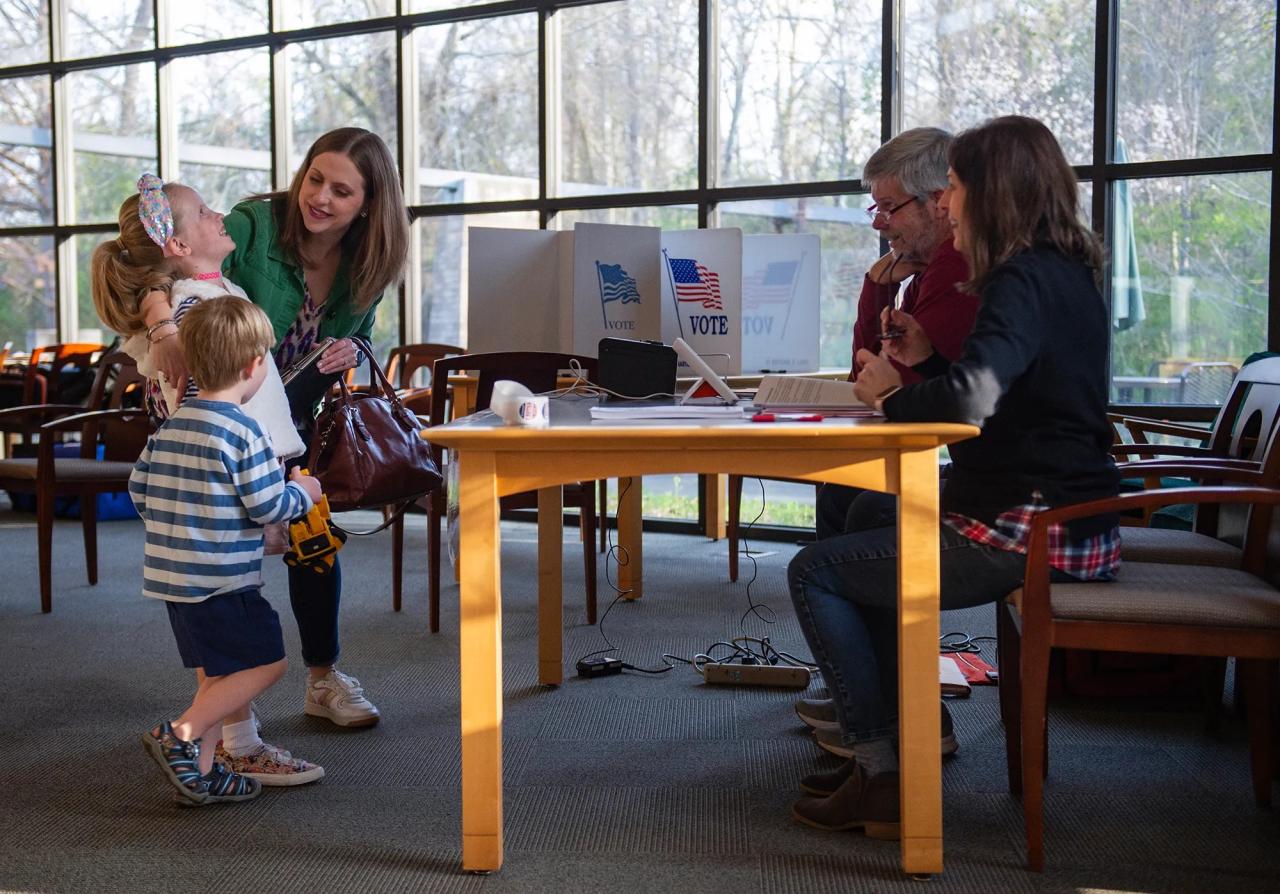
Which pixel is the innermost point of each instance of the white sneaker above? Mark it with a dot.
(340, 698)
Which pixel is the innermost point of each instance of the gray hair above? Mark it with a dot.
(916, 157)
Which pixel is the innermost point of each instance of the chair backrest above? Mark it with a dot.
(1250, 413)
(51, 369)
(118, 384)
(536, 370)
(405, 360)
(1206, 382)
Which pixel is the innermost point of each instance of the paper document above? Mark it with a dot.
(952, 680)
(807, 393)
(638, 412)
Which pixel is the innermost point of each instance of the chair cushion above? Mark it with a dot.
(68, 469)
(1166, 546)
(24, 469)
(1156, 593)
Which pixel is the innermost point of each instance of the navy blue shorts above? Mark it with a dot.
(227, 633)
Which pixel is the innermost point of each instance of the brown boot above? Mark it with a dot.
(870, 804)
(823, 784)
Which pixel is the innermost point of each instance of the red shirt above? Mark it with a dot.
(932, 297)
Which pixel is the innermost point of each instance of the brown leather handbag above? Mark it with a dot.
(367, 448)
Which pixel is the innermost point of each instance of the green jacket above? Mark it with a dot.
(274, 282)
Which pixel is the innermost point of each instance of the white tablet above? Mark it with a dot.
(705, 373)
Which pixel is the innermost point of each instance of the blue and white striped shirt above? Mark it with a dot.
(205, 485)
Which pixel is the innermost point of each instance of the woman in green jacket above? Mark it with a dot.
(318, 259)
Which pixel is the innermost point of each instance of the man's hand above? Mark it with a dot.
(339, 356)
(876, 377)
(893, 268)
(904, 339)
(307, 483)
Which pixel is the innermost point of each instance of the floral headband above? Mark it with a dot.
(153, 209)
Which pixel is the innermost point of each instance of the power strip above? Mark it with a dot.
(755, 675)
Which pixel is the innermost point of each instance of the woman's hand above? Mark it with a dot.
(903, 338)
(876, 376)
(171, 362)
(340, 356)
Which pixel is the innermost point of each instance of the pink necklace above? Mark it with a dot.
(217, 274)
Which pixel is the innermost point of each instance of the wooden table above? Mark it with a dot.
(495, 460)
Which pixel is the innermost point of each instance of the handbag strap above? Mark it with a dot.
(401, 509)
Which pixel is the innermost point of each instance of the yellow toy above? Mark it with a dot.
(314, 539)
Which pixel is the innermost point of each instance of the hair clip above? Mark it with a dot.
(154, 210)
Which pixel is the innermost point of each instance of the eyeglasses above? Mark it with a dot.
(881, 215)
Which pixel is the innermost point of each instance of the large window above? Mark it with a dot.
(757, 114)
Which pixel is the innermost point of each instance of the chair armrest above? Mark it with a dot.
(1159, 450)
(79, 420)
(1035, 587)
(1241, 470)
(1160, 427)
(27, 417)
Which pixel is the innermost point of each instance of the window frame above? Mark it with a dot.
(706, 196)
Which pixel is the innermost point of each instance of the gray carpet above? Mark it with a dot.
(629, 784)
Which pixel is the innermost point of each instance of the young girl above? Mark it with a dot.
(170, 248)
(167, 233)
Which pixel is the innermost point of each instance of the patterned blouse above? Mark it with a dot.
(301, 337)
(1093, 558)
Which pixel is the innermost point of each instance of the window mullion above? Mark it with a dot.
(410, 165)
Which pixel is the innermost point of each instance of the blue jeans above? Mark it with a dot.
(845, 591)
(841, 509)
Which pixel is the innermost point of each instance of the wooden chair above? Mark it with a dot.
(538, 372)
(41, 382)
(1242, 437)
(1151, 607)
(120, 433)
(50, 367)
(405, 360)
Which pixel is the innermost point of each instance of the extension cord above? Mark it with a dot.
(755, 675)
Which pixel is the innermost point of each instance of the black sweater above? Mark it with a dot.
(1032, 375)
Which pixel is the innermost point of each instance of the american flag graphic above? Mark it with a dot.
(772, 284)
(694, 282)
(616, 285)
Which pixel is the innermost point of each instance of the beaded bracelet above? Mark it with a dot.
(151, 330)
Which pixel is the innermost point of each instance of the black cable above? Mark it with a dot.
(745, 549)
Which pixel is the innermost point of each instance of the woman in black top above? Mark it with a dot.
(1032, 375)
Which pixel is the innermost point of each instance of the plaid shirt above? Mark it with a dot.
(1094, 558)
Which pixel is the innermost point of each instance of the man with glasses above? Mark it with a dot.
(906, 176)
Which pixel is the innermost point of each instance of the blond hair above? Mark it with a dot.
(123, 270)
(378, 241)
(221, 336)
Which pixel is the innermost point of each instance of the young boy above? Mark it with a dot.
(205, 486)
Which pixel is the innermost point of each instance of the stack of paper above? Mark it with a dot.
(827, 396)
(638, 412)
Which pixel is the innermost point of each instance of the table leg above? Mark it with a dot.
(630, 541)
(918, 716)
(480, 644)
(715, 489)
(551, 586)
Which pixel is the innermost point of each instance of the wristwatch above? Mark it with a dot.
(884, 395)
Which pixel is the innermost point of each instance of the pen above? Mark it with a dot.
(771, 417)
